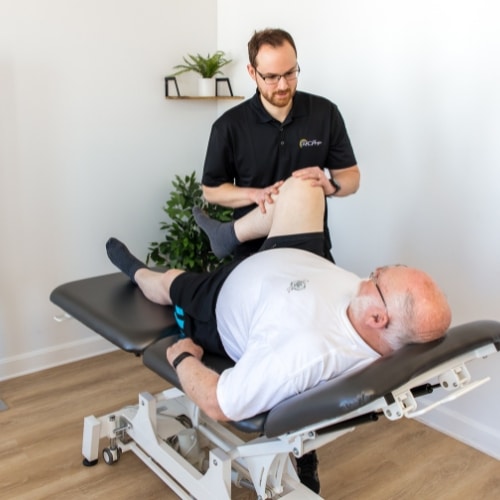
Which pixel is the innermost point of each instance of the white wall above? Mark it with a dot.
(417, 84)
(88, 149)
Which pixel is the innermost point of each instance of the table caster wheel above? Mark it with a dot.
(111, 455)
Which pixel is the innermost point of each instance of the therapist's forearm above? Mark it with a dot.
(229, 195)
(348, 179)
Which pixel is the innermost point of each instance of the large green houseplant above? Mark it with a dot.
(185, 245)
(207, 67)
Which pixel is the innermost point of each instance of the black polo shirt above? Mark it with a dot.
(249, 148)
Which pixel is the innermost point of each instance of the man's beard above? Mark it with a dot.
(279, 98)
(358, 306)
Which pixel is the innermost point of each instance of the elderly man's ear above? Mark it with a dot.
(377, 318)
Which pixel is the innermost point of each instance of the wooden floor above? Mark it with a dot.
(40, 443)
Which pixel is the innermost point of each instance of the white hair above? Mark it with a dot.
(360, 303)
(401, 329)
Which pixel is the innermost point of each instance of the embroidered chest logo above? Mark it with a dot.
(297, 286)
(308, 143)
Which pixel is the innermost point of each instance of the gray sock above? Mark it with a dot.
(221, 235)
(120, 256)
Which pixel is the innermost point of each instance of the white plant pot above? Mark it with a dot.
(206, 87)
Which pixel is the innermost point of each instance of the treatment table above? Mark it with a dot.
(198, 457)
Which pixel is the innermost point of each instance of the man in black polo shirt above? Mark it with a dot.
(277, 133)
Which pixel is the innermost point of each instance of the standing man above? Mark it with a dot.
(277, 133)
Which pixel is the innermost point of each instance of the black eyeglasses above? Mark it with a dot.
(374, 279)
(289, 76)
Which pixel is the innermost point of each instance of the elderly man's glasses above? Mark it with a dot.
(374, 276)
(374, 279)
(289, 76)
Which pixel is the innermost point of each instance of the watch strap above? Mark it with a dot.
(180, 358)
(335, 185)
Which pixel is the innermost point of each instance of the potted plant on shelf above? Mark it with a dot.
(207, 67)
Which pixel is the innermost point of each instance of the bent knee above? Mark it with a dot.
(296, 187)
(299, 183)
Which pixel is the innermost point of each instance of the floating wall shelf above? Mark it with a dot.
(218, 81)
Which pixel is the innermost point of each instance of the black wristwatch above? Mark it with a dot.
(335, 185)
(181, 357)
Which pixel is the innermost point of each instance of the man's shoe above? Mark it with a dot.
(307, 470)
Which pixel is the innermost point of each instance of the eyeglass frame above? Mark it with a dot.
(373, 277)
(289, 78)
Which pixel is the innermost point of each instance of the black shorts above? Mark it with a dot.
(195, 294)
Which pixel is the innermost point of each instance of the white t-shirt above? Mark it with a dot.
(282, 316)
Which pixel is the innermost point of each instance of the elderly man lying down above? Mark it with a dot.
(288, 317)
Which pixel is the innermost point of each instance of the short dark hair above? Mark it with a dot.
(270, 36)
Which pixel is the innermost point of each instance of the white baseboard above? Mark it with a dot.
(464, 429)
(42, 359)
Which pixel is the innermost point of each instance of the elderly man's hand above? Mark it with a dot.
(184, 345)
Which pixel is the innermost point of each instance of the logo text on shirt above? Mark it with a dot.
(308, 143)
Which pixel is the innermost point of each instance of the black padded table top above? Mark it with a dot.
(116, 309)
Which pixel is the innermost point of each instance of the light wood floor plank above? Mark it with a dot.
(40, 446)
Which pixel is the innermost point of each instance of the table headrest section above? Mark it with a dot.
(155, 359)
(112, 306)
(342, 395)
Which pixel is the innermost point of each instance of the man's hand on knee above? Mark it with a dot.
(317, 177)
(265, 195)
